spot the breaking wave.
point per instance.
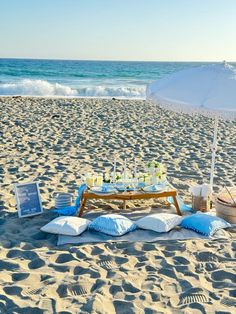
(114, 91)
(36, 88)
(27, 87)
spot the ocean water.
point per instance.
(82, 78)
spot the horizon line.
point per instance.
(114, 60)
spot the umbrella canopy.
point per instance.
(209, 89)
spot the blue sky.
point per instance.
(172, 30)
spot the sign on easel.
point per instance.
(28, 199)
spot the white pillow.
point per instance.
(67, 225)
(113, 224)
(159, 222)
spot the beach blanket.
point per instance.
(138, 235)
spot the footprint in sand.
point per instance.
(148, 247)
(81, 289)
(193, 295)
(207, 257)
(36, 263)
(130, 288)
(185, 284)
(107, 264)
(121, 260)
(150, 269)
(150, 285)
(220, 275)
(64, 258)
(12, 290)
(19, 276)
(75, 290)
(114, 289)
(170, 288)
(6, 305)
(142, 258)
(228, 302)
(122, 306)
(223, 279)
(140, 265)
(79, 270)
(28, 291)
(232, 293)
(129, 297)
(207, 267)
(193, 298)
(28, 255)
(40, 289)
(8, 266)
(212, 266)
(80, 255)
(168, 272)
(60, 268)
(180, 260)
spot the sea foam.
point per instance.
(36, 88)
(29, 87)
(114, 91)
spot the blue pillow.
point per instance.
(112, 224)
(204, 223)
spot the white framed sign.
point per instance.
(28, 199)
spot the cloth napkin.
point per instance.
(201, 190)
(183, 207)
(105, 189)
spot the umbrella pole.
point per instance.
(214, 148)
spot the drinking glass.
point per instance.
(134, 184)
(99, 179)
(148, 180)
(90, 179)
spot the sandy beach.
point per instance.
(55, 141)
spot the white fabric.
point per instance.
(160, 222)
(203, 190)
(140, 235)
(209, 89)
(67, 225)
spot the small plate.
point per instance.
(121, 188)
(125, 190)
(153, 189)
(103, 191)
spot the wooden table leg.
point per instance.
(124, 204)
(83, 203)
(177, 205)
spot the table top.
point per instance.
(130, 195)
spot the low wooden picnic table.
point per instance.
(128, 196)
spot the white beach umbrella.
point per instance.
(209, 90)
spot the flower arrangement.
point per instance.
(157, 170)
(155, 173)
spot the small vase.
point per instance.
(154, 179)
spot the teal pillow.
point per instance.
(112, 224)
(205, 224)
